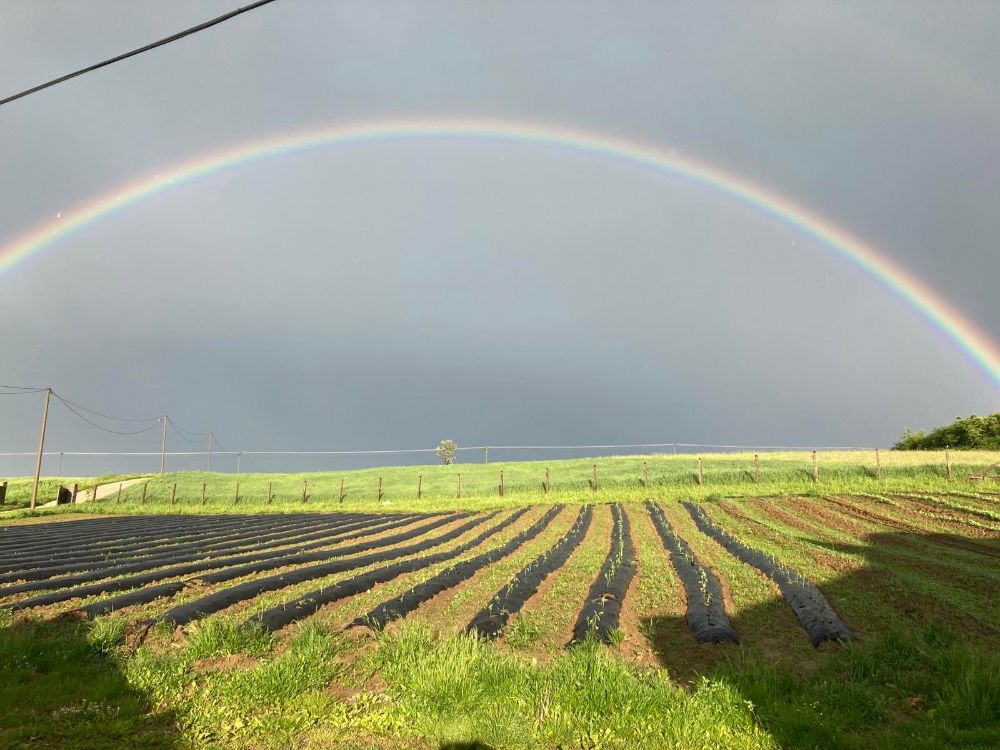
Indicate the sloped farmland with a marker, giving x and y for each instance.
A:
(691, 589)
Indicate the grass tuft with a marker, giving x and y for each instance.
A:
(218, 636)
(106, 634)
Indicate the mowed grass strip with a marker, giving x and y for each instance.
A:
(196, 588)
(959, 507)
(818, 565)
(544, 626)
(918, 549)
(756, 609)
(339, 614)
(957, 555)
(920, 517)
(451, 611)
(971, 521)
(875, 591)
(258, 602)
(922, 573)
(654, 610)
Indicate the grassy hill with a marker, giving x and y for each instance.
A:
(618, 479)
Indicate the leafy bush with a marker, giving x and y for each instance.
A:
(970, 433)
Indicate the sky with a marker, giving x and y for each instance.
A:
(392, 294)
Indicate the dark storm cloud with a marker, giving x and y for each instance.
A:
(392, 295)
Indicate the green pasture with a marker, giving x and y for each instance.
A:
(477, 485)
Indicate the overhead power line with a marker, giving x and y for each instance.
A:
(184, 434)
(139, 51)
(91, 422)
(108, 416)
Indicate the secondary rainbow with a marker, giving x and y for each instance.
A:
(975, 344)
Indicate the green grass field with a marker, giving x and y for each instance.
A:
(618, 478)
(908, 562)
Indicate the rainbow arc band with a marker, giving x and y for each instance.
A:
(979, 348)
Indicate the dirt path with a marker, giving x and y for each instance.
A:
(103, 491)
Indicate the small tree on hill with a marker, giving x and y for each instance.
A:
(446, 450)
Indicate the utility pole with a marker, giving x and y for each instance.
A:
(163, 444)
(209, 451)
(41, 448)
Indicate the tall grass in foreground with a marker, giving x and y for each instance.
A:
(73, 684)
(462, 689)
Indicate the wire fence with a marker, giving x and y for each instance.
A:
(751, 458)
(76, 462)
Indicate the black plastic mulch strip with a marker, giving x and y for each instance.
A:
(229, 574)
(220, 558)
(245, 541)
(59, 552)
(813, 611)
(131, 582)
(82, 535)
(598, 618)
(151, 593)
(706, 611)
(298, 609)
(126, 543)
(400, 606)
(219, 600)
(491, 620)
(142, 596)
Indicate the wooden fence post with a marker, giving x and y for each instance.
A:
(815, 469)
(269, 493)
(94, 497)
(545, 483)
(420, 481)
(340, 498)
(878, 465)
(701, 477)
(458, 485)
(76, 489)
(173, 493)
(947, 461)
(202, 493)
(236, 499)
(593, 478)
(305, 489)
(3, 493)
(645, 475)
(379, 493)
(501, 482)
(756, 468)
(144, 486)
(119, 498)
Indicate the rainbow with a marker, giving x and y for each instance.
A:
(945, 318)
